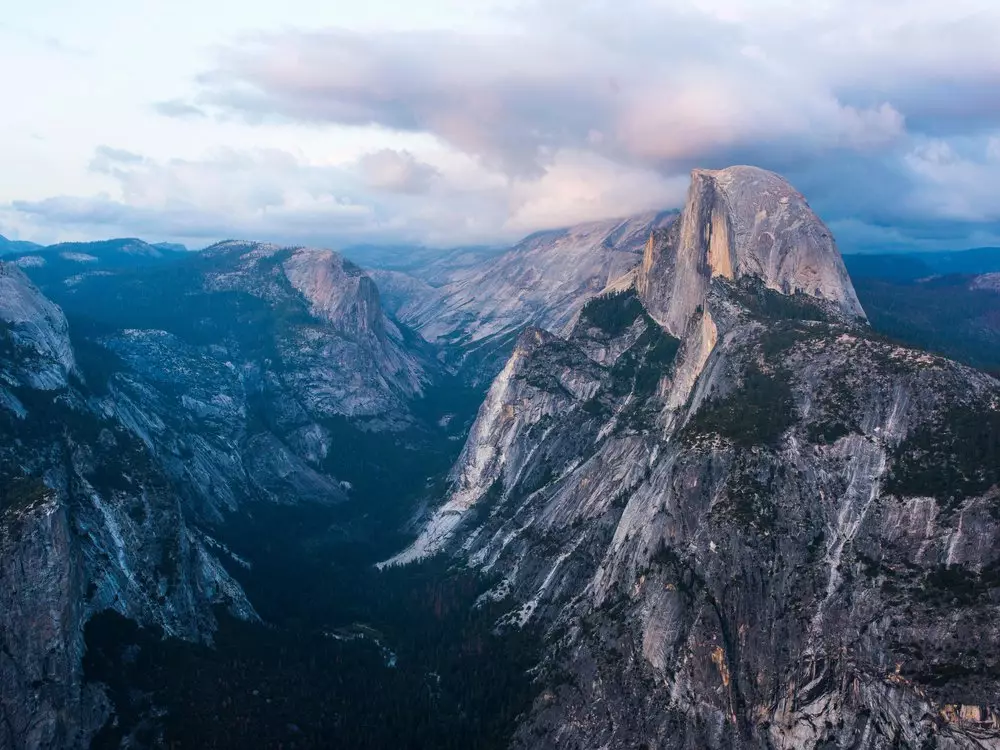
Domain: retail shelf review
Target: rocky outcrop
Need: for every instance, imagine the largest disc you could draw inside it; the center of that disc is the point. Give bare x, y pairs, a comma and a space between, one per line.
34, 335
130, 444
342, 353
736, 223
987, 281
42, 588
741, 518
88, 522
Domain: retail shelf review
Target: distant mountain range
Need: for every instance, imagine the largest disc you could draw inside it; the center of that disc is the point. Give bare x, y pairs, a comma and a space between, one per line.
944, 302
916, 265
99, 247
16, 246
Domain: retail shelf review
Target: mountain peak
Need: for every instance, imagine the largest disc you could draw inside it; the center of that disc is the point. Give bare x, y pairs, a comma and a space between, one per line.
742, 222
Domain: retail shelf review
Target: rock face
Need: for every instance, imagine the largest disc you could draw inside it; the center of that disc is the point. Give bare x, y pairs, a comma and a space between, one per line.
176, 395
741, 222
988, 281
88, 521
542, 281
742, 519
35, 334
42, 588
342, 354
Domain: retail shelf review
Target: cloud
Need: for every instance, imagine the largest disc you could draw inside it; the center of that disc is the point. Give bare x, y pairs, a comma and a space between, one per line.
837, 95
178, 108
886, 115
386, 196
959, 182
579, 186
107, 159
261, 194
671, 97
396, 171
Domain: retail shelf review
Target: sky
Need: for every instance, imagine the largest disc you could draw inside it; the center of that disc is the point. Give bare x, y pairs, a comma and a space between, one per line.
454, 122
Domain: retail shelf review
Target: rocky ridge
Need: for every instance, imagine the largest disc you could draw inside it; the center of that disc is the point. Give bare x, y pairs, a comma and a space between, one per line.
88, 522
743, 519
542, 281
174, 396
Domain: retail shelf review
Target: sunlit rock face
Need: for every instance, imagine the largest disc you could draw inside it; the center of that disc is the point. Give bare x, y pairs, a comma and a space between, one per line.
741, 222
741, 518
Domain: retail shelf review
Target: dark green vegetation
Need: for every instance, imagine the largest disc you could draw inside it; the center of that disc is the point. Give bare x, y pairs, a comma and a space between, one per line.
638, 371
757, 413
924, 300
408, 661
958, 585
23, 492
612, 313
749, 496
347, 656
768, 304
958, 459
941, 315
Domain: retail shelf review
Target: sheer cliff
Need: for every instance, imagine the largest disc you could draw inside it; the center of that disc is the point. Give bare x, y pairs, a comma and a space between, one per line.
742, 518
155, 405
88, 521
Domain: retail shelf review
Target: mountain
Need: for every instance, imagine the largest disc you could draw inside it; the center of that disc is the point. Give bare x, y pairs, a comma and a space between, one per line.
88, 522
248, 368
740, 517
901, 268
943, 302
975, 261
541, 281
171, 424
16, 246
430, 264
916, 265
36, 335
69, 263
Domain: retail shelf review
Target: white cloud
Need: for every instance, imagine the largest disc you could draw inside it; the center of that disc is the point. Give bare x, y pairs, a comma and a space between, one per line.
545, 113
396, 171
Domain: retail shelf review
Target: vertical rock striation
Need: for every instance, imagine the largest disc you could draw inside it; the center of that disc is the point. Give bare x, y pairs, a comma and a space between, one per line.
742, 519
741, 222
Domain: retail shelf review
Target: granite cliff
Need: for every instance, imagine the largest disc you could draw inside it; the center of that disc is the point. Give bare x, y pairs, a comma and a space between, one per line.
172, 399
742, 518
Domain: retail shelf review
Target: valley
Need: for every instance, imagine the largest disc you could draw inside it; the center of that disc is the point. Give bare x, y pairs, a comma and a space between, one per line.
680, 480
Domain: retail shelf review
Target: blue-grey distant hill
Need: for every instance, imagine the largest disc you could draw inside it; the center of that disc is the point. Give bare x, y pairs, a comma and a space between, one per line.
16, 246
948, 302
